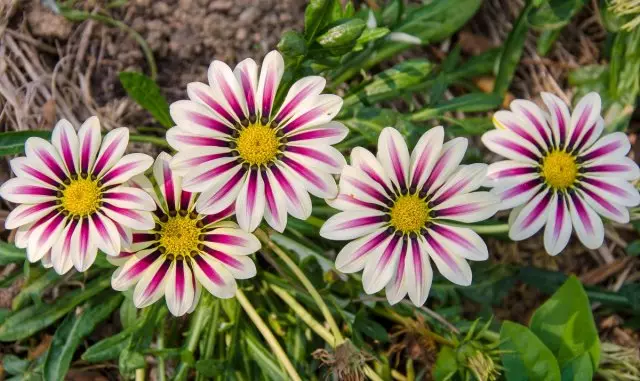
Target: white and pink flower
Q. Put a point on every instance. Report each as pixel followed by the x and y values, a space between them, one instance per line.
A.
pixel 560 172
pixel 185 250
pixel 402 209
pixel 238 149
pixel 71 196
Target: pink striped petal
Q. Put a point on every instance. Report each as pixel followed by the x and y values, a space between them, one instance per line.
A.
pixel 615 190
pixel 275 212
pixel 462 241
pixel 197 119
pixel 585 114
pixel 353 257
pixel 142 183
pixel 43 235
pixel 321 157
pixel 113 146
pixel 511 146
pixel 214 101
pixel 418 274
pixel 25 191
pixel 396 289
pixel 329 133
pixel 105 234
pixel 622 168
pixel 380 268
pixel 232 241
pixel 62 249
pixel 324 108
pixel 183 140
pixel 466 179
pixel 179 290
pixel 613 145
pixel 25 214
pixel 532 217
pixel 604 207
pixel 451 266
pixel 89 139
pixel 449 160
pixel 127 167
pixel 393 154
pixel 470 207
pixel 23 167
pixel 247 76
pixel 318 183
pixel 65 139
pixel 558 226
pixel 353 183
pixel 222 80
pixel 240 267
pixel 251 202
pixel 366 163
pixel 297 199
pixel 534 121
pixel 560 118
pixel 301 96
pixel 352 224
pixel 134 219
pixel 44 155
pixel 207 175
pixel 169 184
pixel 510 195
pixel 586 222
pixel 510 172
pixel 214 277
pixel 223 193
pixel 270 76
pixel 591 136
pixel 132 270
pixel 129 198
pixel 151 286
pixel 87 250
pixel 425 155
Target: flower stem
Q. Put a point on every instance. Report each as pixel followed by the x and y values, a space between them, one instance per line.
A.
pixel 372 374
pixel 198 321
pixel 484 229
pixel 268 336
pixel 162 371
pixel 306 283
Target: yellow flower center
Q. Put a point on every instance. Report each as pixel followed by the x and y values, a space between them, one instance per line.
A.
pixel 409 213
pixel 559 169
pixel 258 144
pixel 81 197
pixel 180 236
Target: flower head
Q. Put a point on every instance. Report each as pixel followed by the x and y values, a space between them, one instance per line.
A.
pixel 238 149
pixel 185 250
pixel 71 196
pixel 398 208
pixel 560 173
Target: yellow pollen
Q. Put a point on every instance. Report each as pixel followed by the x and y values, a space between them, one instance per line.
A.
pixel 409 213
pixel 258 144
pixel 559 169
pixel 81 197
pixel 179 236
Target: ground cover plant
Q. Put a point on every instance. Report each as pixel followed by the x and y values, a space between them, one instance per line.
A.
pixel 384 190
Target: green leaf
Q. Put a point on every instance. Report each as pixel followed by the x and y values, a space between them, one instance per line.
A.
pixel 565 324
pixel 292 45
pixel 264 358
pixel 633 248
pixel 9 253
pixel 30 320
pixel 469 126
pixel 554 14
pixel 109 348
pixel 446 364
pixel 211 367
pixel 14 365
pixel 546 40
pixel 34 289
pixel 369 121
pixel 315 17
pixel 392 82
pixel 130 360
pixel 392 13
pixel 128 313
pixel 524 356
pixel 492 282
pixel 146 93
pixel 341 38
pixel 371 35
pixel 580 368
pixel 12 143
pixel 473 102
pixel 370 327
pixel 511 53
pixel 72 332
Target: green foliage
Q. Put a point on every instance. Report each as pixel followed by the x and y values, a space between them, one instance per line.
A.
pixel 524 356
pixel 146 93
pixel 12 143
pixel 9 253
pixel 511 52
pixel 316 16
pixel 342 38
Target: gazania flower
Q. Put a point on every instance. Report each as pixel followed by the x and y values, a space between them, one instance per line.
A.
pixel 238 149
pixel 184 251
pixel 560 172
pixel 402 209
pixel 71 196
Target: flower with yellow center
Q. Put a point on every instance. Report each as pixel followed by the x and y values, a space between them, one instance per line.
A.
pixel 236 148
pixel 184 251
pixel 402 210
pixel 72 198
pixel 560 173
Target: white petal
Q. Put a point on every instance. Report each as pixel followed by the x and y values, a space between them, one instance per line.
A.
pixel 214 277
pixel 127 167
pixel 585 114
pixel 466 179
pixel 25 191
pixel 462 241
pixel 105 233
pixel 393 154
pixel 510 195
pixel 380 268
pixel 298 200
pixel 25 214
pixel 251 202
pixel 318 183
pixel 113 146
pixel 470 207
pixel 170 185
pixel 451 266
pixel 270 75
pixel 424 156
pixel 615 145
pixel 558 227
pixel 511 146
pixel 246 73
pixel 586 222
pixel 329 133
pixel 129 198
pixel 352 224
pixel 179 288
pixel 44 235
pixel 152 284
pixel 199 120
pixel 134 219
pixel 87 250
pixel 560 118
pixel 450 157
pixel 65 139
pixel 301 96
pixel 532 217
pixel 89 139
pixel 509 172
pixel 222 80
pixel 134 267
pixel 213 100
pixel 353 257
pixel 418 273
pixel 275 212
pixel 232 241
pixel 223 193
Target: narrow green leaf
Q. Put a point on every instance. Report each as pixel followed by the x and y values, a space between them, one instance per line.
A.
pixel 12 143
pixel 315 17
pixel 341 38
pixel 30 320
pixel 146 93
pixel 524 356
pixel 565 324
pixel 34 289
pixel 554 14
pixel 71 333
pixel 512 52
pixel 264 358
pixel 109 348
pixel 371 35
pixel 473 102
pixel 9 253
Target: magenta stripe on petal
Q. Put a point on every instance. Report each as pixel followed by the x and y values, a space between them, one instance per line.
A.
pixel 453 236
pixel 602 201
pixel 66 245
pixel 180 280
pixel 312 153
pixel 125 212
pixel 106 155
pixel 455 188
pixel 225 239
pixel 208 175
pixel 140 266
pixel 438 168
pixel 512 146
pixel 288 189
pixel 580 126
pixel 509 172
pixel 185 199
pixel 35 209
pixel 53 225
pixel 40 176
pixel 211 218
pixel 562 127
pixel 33 190
pixel 42 220
pixel 208 271
pixel 605 186
pixel 201 141
pixel 537 210
pixel 85 156
pixel 352 200
pixel 604 150
pixel 305 173
pixel 315 134
pixel 252 187
pixel 66 151
pixel 143 237
pixel 102 230
pixel 119 170
pixel 169 191
pixel 417 261
pixel 370 245
pixel 303 119
pixel 458 209
pixel 204 158
pixel 121 196
pixel 269 196
pixel 536 123
pixel 385 258
pixel 51 163
pixel 586 136
pixel 226 188
pixel 267 95
pixel 559 217
pixel 248 91
pixel 397 165
pixel 209 122
pixel 295 101
pixel 523 133
pixel 366 188
pixel 224 258
pixel 582 213
pixel 229 95
pixel 421 164
pixel 607 168
pixel 520 188
pixel 359 222
pixel 157 279
pixel 84 236
pixel 215 106
pixel 400 268
pixel 442 253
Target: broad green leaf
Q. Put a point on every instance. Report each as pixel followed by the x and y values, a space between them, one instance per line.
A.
pixel 14 365
pixel 210 367
pixel 371 35
pixel 446 364
pixel 473 102
pixel 34 289
pixel 341 38
pixel 369 121
pixel 511 52
pixel 72 332
pixel 524 356
pixel 546 40
pixel 370 327
pixel 292 44
pixel 30 320
pixel 492 282
pixel 565 324
pixel 146 93
pixel 392 13
pixel 554 14
pixel 315 17
pixel 392 82
pixel 109 348
pixel 9 253
pixel 580 368
pixel 264 358
pixel 12 143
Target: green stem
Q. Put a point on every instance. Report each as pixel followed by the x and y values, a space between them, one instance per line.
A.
pixel 159 141
pixel 268 336
pixel 303 314
pixel 306 283
pixel 198 321
pixel 162 372
pixel 371 374
pixel 212 334
pixel 484 229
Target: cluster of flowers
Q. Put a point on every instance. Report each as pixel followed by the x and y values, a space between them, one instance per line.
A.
pixel 169 234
